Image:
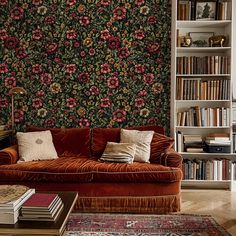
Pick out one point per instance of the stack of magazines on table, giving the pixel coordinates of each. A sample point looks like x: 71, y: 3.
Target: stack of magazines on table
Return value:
x: 42, y: 207
x: 11, y: 199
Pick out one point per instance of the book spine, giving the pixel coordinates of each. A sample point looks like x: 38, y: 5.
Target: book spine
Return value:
x: 180, y: 141
x: 193, y: 10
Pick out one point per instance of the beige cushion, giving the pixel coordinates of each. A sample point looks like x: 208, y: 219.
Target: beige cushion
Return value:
x: 36, y: 146
x: 142, y: 139
x: 119, y: 152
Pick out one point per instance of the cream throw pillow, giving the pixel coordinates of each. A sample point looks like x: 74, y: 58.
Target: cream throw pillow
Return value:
x: 36, y: 146
x: 119, y: 152
x: 143, y: 141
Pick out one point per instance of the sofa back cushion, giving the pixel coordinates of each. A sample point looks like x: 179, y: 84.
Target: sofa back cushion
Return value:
x: 68, y: 141
x: 34, y: 146
x: 100, y: 137
x: 159, y: 145
x: 143, y: 141
x: 155, y: 128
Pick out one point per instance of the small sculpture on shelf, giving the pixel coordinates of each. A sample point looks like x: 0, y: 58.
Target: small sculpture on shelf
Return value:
x: 186, y: 41
x: 217, y: 41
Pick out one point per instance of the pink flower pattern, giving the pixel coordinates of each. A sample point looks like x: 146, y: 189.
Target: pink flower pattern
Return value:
x: 109, y: 59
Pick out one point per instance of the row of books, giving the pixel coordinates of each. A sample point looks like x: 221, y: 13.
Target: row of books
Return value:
x: 11, y: 199
x: 186, y: 10
x: 224, y: 10
x: 215, y: 65
x: 197, y: 89
x: 204, y: 117
x: 206, y: 169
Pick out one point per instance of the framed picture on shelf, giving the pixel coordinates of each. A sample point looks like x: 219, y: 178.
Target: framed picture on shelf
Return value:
x: 206, y: 10
x: 200, y: 39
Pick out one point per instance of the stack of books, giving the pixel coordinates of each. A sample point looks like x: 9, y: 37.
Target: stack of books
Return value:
x: 204, y: 117
x: 42, y: 207
x: 218, y: 143
x: 11, y: 199
x: 193, y: 143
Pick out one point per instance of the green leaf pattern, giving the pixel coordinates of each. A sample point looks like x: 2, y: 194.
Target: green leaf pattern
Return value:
x: 88, y: 63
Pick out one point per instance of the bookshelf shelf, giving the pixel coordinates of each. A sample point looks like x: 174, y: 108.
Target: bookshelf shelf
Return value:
x: 207, y: 184
x: 202, y: 127
x: 202, y: 101
x: 209, y: 156
x: 202, y: 75
x: 202, y: 24
x: 202, y: 49
x: 201, y: 92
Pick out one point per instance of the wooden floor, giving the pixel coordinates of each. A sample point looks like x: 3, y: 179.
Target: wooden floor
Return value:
x: 221, y: 204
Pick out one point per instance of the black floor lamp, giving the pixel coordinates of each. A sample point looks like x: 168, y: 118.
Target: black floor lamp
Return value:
x: 13, y: 92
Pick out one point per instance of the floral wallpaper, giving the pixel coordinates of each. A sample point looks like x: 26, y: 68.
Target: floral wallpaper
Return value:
x: 90, y: 63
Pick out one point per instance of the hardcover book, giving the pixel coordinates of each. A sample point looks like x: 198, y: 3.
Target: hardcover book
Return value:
x: 11, y: 199
x: 42, y: 207
x: 13, y: 196
x: 42, y: 211
x: 40, y: 200
x: 43, y: 217
x: 10, y: 193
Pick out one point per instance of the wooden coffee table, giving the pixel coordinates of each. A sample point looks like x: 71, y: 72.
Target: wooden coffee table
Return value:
x: 44, y: 227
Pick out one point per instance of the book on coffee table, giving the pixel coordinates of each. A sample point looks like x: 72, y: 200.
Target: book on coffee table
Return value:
x: 12, y: 195
x: 11, y: 199
x: 42, y: 217
x: 42, y: 206
x: 40, y: 201
x: 36, y: 227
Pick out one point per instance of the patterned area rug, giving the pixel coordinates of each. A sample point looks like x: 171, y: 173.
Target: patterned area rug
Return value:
x: 143, y: 225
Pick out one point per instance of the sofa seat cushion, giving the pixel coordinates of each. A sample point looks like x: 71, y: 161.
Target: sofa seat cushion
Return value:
x: 85, y: 170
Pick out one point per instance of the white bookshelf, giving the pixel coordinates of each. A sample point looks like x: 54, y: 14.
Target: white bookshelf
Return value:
x: 219, y: 27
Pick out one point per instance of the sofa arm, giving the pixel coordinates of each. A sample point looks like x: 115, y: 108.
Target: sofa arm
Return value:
x: 9, y: 155
x: 171, y: 158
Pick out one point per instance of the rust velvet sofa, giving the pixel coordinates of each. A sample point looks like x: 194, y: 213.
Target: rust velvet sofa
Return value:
x: 102, y: 187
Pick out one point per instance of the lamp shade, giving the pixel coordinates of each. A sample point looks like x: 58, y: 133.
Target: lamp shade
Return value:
x: 17, y: 90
